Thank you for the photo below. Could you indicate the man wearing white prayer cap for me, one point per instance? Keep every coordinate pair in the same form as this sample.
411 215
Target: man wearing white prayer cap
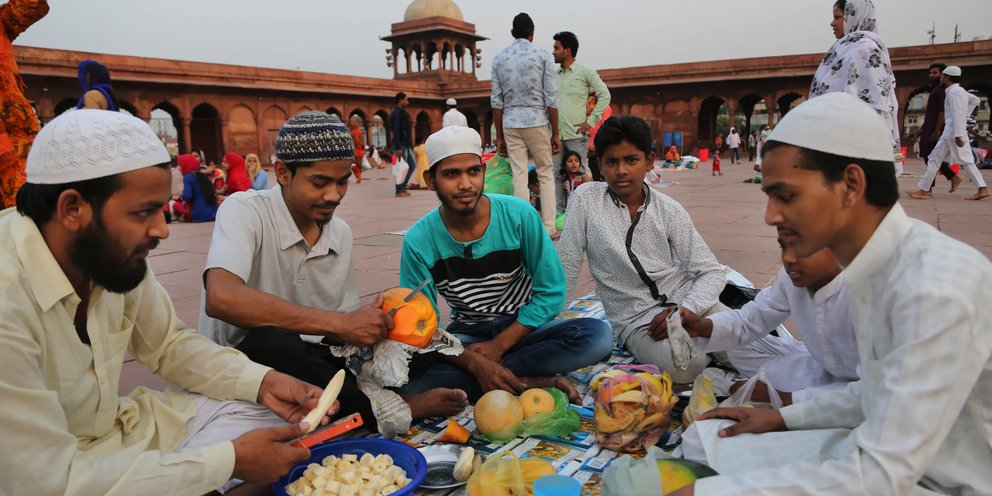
453 117
492 261
78 293
920 419
953 146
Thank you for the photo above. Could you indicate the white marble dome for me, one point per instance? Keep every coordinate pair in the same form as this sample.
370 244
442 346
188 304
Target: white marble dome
422 9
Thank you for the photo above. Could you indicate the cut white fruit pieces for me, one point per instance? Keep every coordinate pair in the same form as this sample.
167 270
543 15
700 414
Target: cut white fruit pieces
326 400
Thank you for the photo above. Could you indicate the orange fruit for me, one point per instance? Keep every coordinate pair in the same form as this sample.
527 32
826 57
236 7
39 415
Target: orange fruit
415 321
536 400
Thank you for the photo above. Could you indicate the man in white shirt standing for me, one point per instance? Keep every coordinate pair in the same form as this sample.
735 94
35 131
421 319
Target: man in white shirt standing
734 143
525 103
920 419
953 146
453 117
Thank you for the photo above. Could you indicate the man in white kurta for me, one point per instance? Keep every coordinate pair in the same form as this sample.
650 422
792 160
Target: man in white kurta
76 296
920 419
953 146
825 360
453 117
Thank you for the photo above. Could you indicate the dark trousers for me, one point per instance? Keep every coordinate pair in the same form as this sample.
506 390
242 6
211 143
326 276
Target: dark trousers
308 362
735 155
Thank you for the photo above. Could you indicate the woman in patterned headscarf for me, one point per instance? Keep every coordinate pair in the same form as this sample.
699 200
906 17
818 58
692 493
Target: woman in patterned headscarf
858 63
18 122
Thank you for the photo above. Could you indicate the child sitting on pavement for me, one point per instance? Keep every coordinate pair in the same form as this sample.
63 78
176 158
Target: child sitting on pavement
811 291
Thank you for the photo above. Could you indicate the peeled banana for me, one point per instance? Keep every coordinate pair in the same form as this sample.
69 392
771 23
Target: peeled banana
465 465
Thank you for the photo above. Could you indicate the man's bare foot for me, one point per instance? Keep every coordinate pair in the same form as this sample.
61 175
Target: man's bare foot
955 181
555 381
982 193
438 401
918 195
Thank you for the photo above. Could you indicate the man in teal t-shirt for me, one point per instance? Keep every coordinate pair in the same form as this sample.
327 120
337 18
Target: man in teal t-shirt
491 259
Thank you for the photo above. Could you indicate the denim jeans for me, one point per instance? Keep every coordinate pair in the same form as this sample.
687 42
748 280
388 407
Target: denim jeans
406 154
558 347
735 155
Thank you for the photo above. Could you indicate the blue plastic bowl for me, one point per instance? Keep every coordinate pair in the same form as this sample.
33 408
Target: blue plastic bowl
404 456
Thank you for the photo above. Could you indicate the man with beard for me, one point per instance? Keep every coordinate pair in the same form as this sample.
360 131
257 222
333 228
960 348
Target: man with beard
491 259
279 280
576 84
918 421
78 294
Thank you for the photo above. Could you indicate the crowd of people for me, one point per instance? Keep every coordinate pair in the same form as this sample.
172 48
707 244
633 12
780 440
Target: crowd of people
889 391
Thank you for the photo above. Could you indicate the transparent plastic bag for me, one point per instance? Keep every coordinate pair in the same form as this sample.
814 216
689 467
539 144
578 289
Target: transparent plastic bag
631 411
703 399
743 395
507 475
561 421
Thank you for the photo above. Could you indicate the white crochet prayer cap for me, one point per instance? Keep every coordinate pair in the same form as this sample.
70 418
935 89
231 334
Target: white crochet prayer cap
88 144
452 140
839 124
451 101
953 70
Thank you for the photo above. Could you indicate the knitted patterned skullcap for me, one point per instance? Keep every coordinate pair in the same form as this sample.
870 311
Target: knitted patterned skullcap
87 144
314 136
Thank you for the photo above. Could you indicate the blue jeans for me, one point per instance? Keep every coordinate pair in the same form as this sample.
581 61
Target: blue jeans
558 347
735 155
406 154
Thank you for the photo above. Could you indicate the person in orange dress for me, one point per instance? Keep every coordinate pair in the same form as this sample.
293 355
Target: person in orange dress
355 125
18 121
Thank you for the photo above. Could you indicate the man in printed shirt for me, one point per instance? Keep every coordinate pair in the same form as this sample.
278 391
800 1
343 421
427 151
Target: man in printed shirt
920 419
643 250
525 101
78 294
491 260
576 84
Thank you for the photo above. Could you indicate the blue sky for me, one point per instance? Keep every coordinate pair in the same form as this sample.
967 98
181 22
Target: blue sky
343 37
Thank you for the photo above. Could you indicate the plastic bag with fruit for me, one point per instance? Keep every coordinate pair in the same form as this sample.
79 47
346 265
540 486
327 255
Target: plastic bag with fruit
742 397
631 409
656 473
387 364
507 476
549 418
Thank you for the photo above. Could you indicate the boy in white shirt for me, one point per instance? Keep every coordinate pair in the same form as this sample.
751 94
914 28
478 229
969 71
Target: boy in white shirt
811 292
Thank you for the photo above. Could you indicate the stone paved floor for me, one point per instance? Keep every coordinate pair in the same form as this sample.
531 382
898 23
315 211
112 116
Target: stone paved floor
727 212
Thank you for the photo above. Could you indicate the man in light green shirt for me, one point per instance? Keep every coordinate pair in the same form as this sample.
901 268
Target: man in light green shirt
576 83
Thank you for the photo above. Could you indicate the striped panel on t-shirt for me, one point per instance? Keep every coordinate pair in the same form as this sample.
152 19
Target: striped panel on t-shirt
480 289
